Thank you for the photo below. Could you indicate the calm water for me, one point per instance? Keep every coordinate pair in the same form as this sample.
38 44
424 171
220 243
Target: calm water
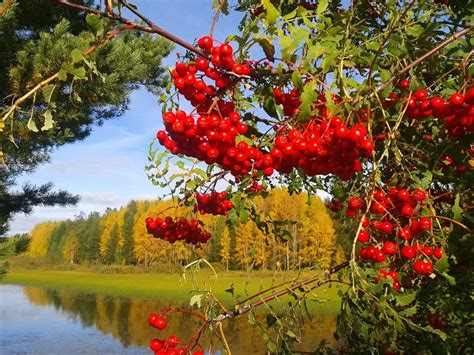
43 321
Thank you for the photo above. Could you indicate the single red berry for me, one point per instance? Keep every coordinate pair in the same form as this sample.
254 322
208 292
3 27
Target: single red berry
403 84
456 99
421 94
363 236
156 344
424 224
389 248
404 233
438 253
403 195
379 256
419 195
355 203
407 211
408 252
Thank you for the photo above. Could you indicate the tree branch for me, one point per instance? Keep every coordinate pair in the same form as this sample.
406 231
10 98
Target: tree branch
240 311
5 6
428 54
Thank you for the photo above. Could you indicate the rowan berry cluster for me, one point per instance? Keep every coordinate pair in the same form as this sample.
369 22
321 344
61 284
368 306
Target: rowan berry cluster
189 77
321 148
457 112
212 138
396 230
215 203
170 345
178 229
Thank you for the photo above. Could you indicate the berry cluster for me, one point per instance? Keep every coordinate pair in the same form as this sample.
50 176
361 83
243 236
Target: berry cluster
170 345
321 148
291 101
396 229
457 112
215 203
178 229
212 138
189 77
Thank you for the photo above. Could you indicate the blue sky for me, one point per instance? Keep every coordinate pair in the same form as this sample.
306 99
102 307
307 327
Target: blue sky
107 169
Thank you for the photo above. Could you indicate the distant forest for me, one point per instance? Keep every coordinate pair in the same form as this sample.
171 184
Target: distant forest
119 237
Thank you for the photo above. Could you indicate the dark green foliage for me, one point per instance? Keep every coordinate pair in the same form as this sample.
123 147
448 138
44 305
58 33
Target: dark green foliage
90 238
38 40
127 250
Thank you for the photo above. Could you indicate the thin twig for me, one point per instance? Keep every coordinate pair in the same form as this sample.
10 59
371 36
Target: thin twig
428 54
5 6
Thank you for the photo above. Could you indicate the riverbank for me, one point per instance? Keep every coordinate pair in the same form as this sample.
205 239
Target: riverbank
171 286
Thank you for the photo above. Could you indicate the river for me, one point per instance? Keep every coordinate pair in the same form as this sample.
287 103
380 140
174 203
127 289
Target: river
47 321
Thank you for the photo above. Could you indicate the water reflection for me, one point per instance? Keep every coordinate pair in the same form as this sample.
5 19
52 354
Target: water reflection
125 319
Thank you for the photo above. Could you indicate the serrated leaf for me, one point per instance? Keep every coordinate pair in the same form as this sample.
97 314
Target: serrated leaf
76 55
438 332
79 73
308 97
62 75
327 62
415 30
373 46
322 6
297 80
406 299
267 47
272 12
196 300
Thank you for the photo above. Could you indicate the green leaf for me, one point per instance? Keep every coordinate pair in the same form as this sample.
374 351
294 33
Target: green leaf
62 75
296 80
196 300
272 12
267 47
269 107
48 121
438 332
449 278
244 216
308 97
442 265
50 93
79 73
95 23
406 299
32 125
322 6
76 55
457 211
291 334
415 30
327 62
373 46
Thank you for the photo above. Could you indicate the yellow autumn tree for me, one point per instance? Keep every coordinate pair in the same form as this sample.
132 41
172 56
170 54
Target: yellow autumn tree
317 234
71 248
224 251
40 236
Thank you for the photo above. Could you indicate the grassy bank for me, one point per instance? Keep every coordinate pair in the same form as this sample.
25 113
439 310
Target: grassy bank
168 286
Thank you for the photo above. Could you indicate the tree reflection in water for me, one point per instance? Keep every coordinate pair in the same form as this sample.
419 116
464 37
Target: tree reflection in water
126 320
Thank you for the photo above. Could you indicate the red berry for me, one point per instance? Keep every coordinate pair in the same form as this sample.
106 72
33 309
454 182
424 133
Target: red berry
419 195
424 224
438 253
421 94
379 256
408 252
355 203
389 248
404 84
404 233
456 99
407 211
156 344
363 236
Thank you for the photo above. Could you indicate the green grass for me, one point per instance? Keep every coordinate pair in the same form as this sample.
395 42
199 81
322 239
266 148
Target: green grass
170 286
